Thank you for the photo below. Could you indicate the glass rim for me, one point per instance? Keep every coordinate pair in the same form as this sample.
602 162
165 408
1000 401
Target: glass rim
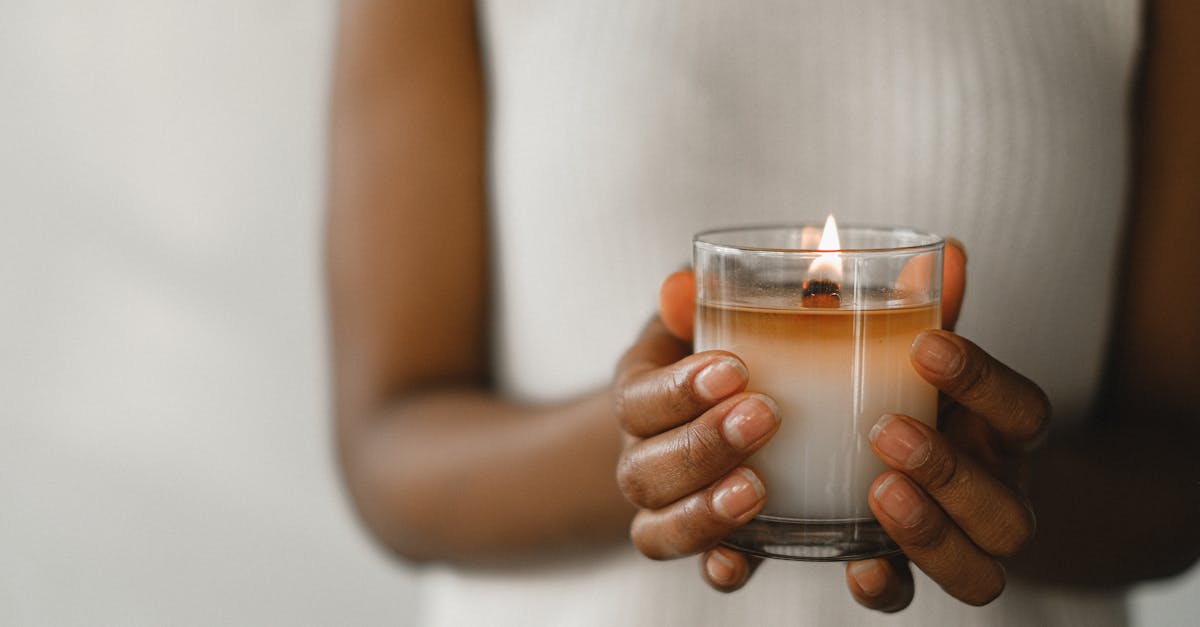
706 239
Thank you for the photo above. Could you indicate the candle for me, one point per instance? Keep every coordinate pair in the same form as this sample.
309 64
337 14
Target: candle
833 374
825 330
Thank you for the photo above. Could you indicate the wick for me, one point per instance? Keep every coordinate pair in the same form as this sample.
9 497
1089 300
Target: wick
821 293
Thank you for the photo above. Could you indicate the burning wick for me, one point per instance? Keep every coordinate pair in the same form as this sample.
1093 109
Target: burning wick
821 293
822 288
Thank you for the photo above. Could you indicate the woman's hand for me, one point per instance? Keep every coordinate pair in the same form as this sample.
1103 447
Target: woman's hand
953 501
689 425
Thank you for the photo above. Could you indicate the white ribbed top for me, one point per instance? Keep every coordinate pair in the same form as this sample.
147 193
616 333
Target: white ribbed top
622 127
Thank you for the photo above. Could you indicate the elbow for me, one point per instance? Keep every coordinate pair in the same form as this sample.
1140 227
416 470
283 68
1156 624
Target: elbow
387 498
392 526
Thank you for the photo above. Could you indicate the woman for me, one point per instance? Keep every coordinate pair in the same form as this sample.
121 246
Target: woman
468 326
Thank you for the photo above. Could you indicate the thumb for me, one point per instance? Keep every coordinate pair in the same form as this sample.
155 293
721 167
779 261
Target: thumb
954 282
677 304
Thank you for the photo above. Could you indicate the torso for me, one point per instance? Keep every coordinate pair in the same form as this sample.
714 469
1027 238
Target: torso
619 129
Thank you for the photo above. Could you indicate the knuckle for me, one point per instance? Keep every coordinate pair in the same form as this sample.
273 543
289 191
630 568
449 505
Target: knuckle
1035 415
988 588
942 472
973 378
662 535
676 388
929 533
639 401
699 526
620 402
646 541
631 480
676 532
1020 530
703 449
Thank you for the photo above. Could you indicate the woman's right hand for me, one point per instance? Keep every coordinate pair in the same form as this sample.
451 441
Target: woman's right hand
689 426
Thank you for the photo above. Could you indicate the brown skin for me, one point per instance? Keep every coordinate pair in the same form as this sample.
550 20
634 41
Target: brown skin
442 467
438 466
954 507
1135 480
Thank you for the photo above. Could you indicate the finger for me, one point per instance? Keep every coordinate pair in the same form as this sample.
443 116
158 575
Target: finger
697 522
656 471
994 517
919 275
934 543
970 435
884 584
1014 406
954 281
727 570
649 401
677 304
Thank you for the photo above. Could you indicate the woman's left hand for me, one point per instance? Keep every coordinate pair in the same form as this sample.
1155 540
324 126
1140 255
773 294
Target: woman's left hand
952 500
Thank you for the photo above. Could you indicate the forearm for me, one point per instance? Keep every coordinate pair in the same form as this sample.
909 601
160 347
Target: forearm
1114 508
464 475
1123 504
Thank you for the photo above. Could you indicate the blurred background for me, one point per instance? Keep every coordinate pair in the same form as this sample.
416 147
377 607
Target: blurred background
165 456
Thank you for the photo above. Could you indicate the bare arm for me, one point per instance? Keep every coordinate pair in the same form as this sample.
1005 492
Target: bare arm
1122 502
438 466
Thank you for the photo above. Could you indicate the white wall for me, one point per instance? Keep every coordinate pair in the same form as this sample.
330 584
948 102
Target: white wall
164 452
164 455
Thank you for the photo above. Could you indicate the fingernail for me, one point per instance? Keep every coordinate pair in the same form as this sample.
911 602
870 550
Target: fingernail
720 568
720 379
750 420
899 441
738 494
937 354
899 500
869 576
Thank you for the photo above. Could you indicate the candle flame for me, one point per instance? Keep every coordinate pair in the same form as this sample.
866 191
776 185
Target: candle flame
828 266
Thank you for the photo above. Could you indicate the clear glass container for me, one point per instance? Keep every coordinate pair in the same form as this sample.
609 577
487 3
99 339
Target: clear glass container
826 333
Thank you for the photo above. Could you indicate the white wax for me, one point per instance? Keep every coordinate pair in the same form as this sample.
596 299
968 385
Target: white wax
833 373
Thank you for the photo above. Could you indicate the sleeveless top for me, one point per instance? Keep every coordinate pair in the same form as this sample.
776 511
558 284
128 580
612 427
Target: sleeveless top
619 128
